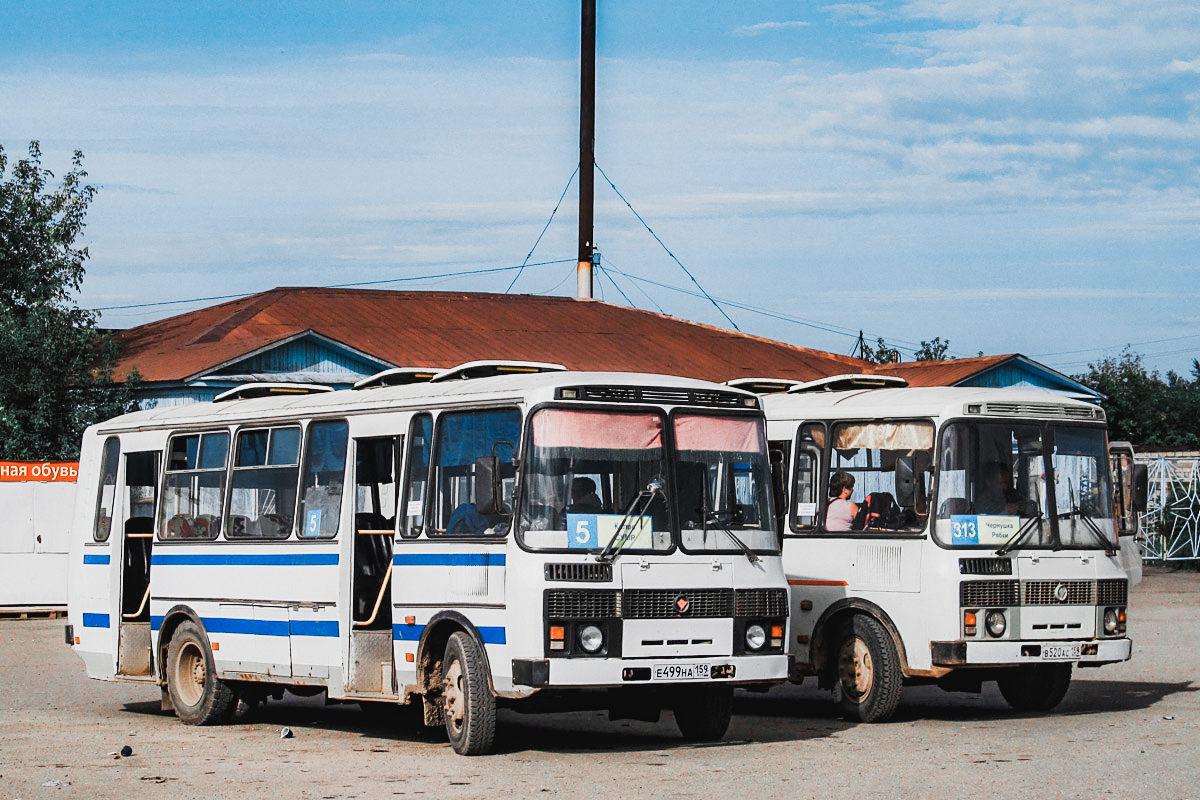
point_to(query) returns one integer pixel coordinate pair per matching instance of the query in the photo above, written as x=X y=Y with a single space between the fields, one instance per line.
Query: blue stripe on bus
x=95 y=620
x=95 y=558
x=246 y=560
x=412 y=633
x=448 y=559
x=261 y=627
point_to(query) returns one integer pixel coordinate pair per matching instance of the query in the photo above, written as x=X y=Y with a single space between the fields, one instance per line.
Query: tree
x=880 y=354
x=55 y=365
x=1143 y=408
x=934 y=351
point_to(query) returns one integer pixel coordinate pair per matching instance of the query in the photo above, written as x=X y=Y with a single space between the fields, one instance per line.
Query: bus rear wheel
x=199 y=696
x=1035 y=687
x=869 y=678
x=702 y=713
x=470 y=708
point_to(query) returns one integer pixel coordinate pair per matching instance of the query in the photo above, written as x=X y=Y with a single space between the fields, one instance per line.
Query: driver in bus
x=583 y=497
x=998 y=495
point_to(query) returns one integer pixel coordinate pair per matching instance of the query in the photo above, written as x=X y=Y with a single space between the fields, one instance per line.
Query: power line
x=668 y=251
x=570 y=180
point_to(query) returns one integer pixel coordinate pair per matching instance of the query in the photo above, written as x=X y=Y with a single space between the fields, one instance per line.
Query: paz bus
x=459 y=539
x=983 y=547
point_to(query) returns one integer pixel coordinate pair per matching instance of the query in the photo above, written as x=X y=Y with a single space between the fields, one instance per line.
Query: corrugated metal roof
x=939 y=373
x=444 y=329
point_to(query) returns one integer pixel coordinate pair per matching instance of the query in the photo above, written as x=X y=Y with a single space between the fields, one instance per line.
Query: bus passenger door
x=136 y=532
x=370 y=666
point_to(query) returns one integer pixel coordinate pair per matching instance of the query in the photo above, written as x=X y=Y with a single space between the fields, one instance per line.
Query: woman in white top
x=841 y=512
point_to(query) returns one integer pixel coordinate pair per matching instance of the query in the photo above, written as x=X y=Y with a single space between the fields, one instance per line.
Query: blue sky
x=1011 y=176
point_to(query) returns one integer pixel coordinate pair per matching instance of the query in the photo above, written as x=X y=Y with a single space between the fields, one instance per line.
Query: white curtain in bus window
x=262 y=489
x=324 y=475
x=194 y=487
x=107 y=495
x=723 y=482
x=868 y=452
x=586 y=468
x=463 y=438
x=1081 y=486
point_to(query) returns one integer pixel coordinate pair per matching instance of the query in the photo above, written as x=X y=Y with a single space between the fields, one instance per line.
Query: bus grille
x=985 y=566
x=761 y=603
x=665 y=603
x=1045 y=593
x=1112 y=592
x=989 y=593
x=582 y=604
x=590 y=572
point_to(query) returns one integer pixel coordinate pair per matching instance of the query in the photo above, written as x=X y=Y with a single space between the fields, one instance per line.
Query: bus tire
x=1035 y=687
x=199 y=696
x=470 y=708
x=868 y=677
x=702 y=713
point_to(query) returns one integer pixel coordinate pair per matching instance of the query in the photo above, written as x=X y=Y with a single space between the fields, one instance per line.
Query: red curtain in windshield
x=597 y=430
x=725 y=434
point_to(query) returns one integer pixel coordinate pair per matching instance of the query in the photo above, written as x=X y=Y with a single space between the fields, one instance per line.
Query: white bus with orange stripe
x=450 y=538
x=944 y=535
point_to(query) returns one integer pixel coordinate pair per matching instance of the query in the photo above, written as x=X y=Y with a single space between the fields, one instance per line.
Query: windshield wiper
x=712 y=516
x=646 y=496
x=1016 y=538
x=1110 y=549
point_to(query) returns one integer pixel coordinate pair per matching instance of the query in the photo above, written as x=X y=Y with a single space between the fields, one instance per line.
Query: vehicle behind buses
x=458 y=538
x=980 y=544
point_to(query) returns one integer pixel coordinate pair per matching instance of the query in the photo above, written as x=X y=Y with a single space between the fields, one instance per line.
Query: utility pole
x=587 y=148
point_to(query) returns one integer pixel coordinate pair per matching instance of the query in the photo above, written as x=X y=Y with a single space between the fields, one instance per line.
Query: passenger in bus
x=997 y=495
x=583 y=497
x=840 y=513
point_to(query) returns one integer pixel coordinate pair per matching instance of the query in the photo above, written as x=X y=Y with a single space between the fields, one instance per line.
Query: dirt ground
x=1130 y=730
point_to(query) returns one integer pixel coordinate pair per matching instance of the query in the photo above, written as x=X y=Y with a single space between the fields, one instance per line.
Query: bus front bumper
x=602 y=672
x=1007 y=653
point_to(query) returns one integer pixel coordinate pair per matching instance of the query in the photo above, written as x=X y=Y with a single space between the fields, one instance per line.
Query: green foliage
x=1142 y=407
x=934 y=351
x=56 y=376
x=880 y=354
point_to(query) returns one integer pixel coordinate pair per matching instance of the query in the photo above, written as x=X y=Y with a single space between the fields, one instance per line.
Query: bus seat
x=180 y=527
x=952 y=506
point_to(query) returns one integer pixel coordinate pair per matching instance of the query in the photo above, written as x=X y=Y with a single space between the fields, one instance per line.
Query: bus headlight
x=996 y=623
x=1110 y=621
x=591 y=638
x=756 y=636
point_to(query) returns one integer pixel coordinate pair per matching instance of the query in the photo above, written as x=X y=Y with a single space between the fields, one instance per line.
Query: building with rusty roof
x=339 y=336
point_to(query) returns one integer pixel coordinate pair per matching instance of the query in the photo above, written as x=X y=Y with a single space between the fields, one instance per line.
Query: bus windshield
x=993 y=489
x=724 y=486
x=585 y=472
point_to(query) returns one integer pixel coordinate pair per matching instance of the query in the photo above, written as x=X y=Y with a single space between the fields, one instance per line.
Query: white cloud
x=766 y=27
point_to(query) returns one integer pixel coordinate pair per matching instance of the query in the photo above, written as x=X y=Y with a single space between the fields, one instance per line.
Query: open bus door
x=1129 y=501
x=138 y=492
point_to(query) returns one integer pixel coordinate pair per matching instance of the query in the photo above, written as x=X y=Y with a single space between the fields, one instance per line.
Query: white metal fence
x=1171 y=525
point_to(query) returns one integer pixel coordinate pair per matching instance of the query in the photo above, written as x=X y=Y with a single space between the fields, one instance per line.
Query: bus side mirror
x=1141 y=491
x=488 y=497
x=906 y=483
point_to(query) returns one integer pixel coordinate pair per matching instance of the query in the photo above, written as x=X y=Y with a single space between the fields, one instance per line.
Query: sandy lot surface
x=1130 y=730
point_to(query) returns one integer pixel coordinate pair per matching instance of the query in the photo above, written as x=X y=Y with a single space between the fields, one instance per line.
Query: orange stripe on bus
x=816 y=583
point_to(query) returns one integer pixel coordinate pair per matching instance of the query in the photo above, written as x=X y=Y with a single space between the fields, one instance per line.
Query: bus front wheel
x=470 y=708
x=702 y=713
x=1035 y=687
x=869 y=677
x=199 y=696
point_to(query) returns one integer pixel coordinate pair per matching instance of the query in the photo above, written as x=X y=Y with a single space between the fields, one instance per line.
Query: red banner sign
x=39 y=471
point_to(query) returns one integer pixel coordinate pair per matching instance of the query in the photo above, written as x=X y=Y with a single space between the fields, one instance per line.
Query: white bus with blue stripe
x=451 y=538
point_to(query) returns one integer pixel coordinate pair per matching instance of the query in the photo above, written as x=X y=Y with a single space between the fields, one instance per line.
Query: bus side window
x=777 y=454
x=420 y=440
x=869 y=453
x=375 y=484
x=806 y=502
x=464 y=437
x=262 y=489
x=194 y=486
x=324 y=475
x=107 y=495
